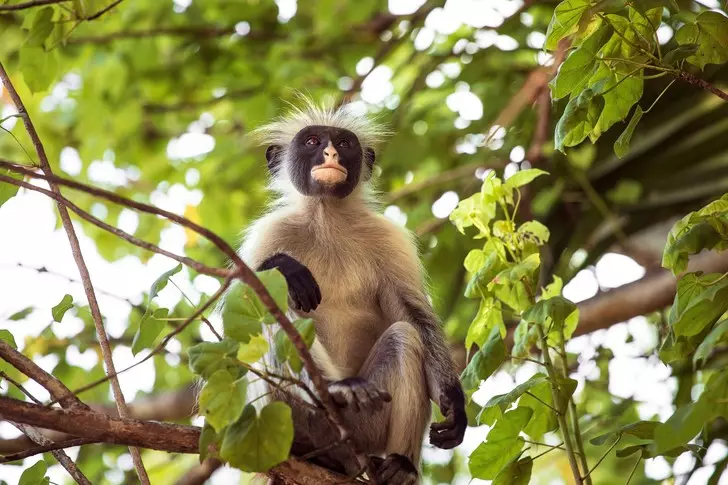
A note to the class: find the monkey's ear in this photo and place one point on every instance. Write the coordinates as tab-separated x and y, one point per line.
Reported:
273	154
369	157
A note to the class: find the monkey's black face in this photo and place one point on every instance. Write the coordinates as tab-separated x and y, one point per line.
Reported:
324	160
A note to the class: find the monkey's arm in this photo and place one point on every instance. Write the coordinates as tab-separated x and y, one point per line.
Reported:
401	303
302	287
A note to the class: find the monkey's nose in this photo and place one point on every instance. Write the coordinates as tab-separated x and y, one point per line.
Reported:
331	153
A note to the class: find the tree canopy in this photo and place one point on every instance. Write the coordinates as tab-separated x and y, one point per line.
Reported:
544	153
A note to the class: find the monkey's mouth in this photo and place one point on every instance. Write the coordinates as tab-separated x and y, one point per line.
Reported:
329	173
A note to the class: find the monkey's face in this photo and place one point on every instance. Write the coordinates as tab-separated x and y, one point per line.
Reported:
324	160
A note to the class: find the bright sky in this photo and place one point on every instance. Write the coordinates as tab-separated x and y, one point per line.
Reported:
34	242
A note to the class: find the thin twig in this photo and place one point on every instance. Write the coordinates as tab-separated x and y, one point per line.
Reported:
57	445
558	413
196	265
202	317
103	10
619	438
225	285
82	268
30	4
55	388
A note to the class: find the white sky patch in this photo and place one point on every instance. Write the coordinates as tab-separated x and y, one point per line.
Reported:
85	360
190	145
181	5
517	154
364	65
106	173
242	28
544	58
583	286
536	39
128	221
377	86
443	206
404	7
664	34
657	468
71	161
435	79
425	38
466	104
395	214
176	198
451	69
509	170
629	270
286	9
506	43
486	38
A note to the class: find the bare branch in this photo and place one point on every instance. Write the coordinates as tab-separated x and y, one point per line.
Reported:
78	257
701	83
104	10
59	445
55	388
96	426
30	4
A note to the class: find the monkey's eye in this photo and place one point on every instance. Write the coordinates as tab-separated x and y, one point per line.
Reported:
312	140
344	144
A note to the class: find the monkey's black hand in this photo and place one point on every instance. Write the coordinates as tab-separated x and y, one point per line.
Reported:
302	287
393	470
358	394
450	432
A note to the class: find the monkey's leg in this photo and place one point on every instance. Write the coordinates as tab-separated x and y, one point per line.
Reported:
394	429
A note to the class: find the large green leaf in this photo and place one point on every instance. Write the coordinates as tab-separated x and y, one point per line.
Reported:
710	33
489	317
207	358
8	190
717	335
505	400
700	300
579	67
150	327
223	398
35	475
485	361
39	68
501	446
285	351
565	21
256	443
644	430
243	313
517	472
579	119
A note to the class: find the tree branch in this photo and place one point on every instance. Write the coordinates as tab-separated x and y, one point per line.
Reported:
78	257
58	445
55	388
701	83
30	4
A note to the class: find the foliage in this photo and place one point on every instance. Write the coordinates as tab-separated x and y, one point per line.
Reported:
155	104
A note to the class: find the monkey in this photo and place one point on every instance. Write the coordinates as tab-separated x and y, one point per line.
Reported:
378	342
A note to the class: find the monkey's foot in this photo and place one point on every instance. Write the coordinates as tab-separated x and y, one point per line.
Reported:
393	470
357	394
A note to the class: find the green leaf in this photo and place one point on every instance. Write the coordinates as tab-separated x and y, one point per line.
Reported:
222	399
716	336
209	442
489	317
699	302
8	190
690	235
150	327
710	32
679	53
244	314
515	473
643	430
41	28
258	443
544	419
576	70
206	358
579	119
565	21
621	146
21	314
505	400
536	231
254	350
489	269
35	475
626	192
523	177
285	351
510	285
161	282
7	337
39	68
62	307
485	361
555	312
621	90
502	445
524	338
681	427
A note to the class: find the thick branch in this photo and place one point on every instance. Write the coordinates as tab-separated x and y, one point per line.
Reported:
55	388
702	83
100	427
647	295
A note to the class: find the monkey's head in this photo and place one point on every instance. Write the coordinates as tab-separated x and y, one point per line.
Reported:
320	152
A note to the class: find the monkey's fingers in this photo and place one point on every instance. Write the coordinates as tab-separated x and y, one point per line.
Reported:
396	469
449	423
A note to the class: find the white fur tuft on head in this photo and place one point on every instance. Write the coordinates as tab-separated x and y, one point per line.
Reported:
307	112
